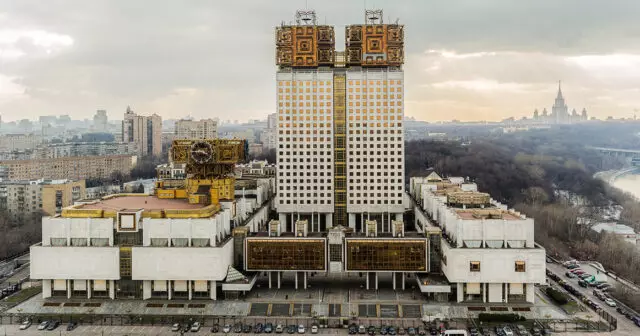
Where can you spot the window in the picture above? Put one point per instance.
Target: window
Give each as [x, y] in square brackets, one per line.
[335, 252]
[520, 266]
[474, 266]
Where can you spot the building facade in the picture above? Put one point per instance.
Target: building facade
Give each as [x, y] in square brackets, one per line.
[101, 121]
[73, 168]
[71, 149]
[560, 113]
[196, 129]
[340, 137]
[146, 132]
[488, 253]
[32, 199]
[19, 142]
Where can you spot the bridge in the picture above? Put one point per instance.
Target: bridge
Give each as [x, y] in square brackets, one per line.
[632, 155]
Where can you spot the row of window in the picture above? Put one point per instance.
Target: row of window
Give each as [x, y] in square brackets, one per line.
[350, 82]
[386, 125]
[322, 201]
[519, 266]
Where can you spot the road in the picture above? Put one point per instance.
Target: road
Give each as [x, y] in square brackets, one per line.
[11, 330]
[625, 326]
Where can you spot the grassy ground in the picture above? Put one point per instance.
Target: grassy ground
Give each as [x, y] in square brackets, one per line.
[571, 307]
[23, 295]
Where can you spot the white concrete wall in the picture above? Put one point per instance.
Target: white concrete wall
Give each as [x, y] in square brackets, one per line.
[59, 227]
[53, 262]
[205, 228]
[181, 263]
[496, 265]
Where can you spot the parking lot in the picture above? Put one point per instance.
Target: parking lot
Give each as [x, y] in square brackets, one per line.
[625, 326]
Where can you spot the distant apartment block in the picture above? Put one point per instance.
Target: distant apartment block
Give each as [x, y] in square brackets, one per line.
[69, 149]
[20, 199]
[146, 132]
[196, 129]
[75, 168]
[17, 142]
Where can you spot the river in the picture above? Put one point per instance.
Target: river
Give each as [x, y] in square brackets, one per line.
[629, 183]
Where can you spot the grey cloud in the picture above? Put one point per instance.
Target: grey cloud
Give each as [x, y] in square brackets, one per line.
[142, 53]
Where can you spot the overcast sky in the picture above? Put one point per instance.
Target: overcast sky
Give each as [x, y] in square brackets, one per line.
[465, 59]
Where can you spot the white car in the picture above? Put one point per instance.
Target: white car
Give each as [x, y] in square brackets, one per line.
[25, 325]
[301, 329]
[175, 327]
[43, 325]
[610, 302]
[195, 327]
[314, 329]
[507, 331]
[226, 329]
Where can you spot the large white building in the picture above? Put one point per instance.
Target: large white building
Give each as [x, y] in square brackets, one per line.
[488, 251]
[340, 135]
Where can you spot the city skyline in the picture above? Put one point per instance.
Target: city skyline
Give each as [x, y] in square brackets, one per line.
[466, 62]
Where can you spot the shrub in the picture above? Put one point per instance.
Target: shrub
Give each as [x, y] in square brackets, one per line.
[557, 296]
[501, 318]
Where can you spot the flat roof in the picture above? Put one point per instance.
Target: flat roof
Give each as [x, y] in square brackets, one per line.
[146, 202]
[469, 215]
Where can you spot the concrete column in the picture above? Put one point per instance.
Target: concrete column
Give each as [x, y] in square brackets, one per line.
[367, 276]
[69, 284]
[460, 292]
[329, 220]
[484, 292]
[279, 276]
[305, 280]
[189, 289]
[169, 291]
[146, 289]
[389, 228]
[46, 288]
[529, 290]
[112, 289]
[269, 276]
[88, 289]
[403, 276]
[506, 293]
[296, 280]
[282, 218]
[376, 273]
[214, 290]
[393, 277]
[352, 220]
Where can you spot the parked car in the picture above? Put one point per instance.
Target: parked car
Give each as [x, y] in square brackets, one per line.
[610, 302]
[314, 329]
[237, 328]
[535, 331]
[383, 330]
[522, 331]
[43, 325]
[215, 328]
[570, 275]
[247, 328]
[473, 331]
[195, 327]
[411, 331]
[371, 330]
[279, 329]
[401, 331]
[258, 328]
[71, 326]
[226, 329]
[603, 286]
[25, 324]
[268, 328]
[176, 327]
[507, 331]
[391, 331]
[585, 276]
[301, 329]
[53, 325]
[291, 329]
